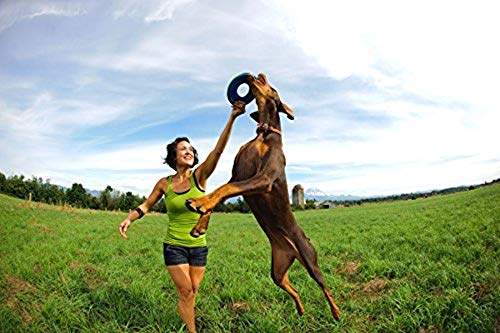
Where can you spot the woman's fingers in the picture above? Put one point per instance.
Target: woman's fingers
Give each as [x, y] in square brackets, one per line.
[239, 108]
[123, 228]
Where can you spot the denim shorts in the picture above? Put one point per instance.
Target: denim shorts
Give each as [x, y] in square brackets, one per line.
[178, 255]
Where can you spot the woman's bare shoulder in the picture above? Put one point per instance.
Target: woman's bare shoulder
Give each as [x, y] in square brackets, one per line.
[161, 183]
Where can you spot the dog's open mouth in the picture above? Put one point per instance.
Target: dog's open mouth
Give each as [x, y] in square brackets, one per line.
[261, 78]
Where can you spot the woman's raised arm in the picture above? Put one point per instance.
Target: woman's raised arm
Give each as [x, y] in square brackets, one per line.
[208, 166]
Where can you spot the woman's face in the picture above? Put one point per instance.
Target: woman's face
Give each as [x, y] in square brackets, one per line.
[185, 154]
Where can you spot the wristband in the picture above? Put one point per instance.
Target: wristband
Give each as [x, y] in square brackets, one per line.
[139, 211]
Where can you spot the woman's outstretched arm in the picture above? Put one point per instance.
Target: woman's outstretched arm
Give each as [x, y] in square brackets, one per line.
[142, 209]
[208, 166]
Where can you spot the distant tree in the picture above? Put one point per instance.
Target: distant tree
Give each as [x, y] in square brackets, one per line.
[310, 204]
[241, 206]
[115, 200]
[17, 187]
[43, 191]
[159, 207]
[105, 198]
[221, 208]
[92, 202]
[35, 188]
[55, 195]
[77, 196]
[139, 200]
[3, 181]
[128, 201]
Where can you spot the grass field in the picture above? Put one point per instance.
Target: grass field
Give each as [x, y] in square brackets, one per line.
[426, 265]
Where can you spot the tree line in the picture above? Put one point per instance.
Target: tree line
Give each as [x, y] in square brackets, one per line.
[411, 196]
[40, 190]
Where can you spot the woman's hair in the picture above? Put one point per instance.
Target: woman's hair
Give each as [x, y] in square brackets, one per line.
[172, 153]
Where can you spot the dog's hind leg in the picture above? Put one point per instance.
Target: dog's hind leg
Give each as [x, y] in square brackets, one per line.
[281, 262]
[309, 259]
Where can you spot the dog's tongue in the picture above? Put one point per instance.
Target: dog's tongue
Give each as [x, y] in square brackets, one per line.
[261, 79]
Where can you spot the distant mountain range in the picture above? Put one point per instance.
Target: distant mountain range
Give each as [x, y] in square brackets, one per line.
[318, 195]
[93, 193]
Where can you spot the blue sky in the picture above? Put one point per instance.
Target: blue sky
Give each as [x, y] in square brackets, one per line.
[389, 96]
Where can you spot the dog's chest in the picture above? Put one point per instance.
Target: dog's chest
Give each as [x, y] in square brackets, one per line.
[250, 159]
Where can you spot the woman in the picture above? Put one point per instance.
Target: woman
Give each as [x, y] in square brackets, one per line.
[185, 256]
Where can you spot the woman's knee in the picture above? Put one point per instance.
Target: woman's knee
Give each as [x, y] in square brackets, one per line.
[186, 294]
[195, 288]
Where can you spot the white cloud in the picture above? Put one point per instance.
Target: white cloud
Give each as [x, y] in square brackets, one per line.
[18, 10]
[49, 116]
[40, 136]
[427, 147]
[166, 10]
[203, 41]
[432, 68]
[437, 49]
[444, 51]
[149, 11]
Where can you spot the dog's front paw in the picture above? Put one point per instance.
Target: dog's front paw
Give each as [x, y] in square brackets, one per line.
[201, 210]
[195, 233]
[190, 204]
[201, 227]
[195, 205]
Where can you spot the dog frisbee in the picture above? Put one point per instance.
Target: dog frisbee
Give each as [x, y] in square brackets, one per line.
[232, 89]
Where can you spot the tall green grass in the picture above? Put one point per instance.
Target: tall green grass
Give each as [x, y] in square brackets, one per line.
[426, 265]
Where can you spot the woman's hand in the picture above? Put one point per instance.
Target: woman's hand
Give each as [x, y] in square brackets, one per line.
[123, 227]
[238, 109]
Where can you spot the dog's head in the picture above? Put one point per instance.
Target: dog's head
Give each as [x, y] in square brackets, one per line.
[266, 95]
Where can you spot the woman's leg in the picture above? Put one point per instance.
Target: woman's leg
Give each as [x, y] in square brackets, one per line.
[187, 279]
[196, 273]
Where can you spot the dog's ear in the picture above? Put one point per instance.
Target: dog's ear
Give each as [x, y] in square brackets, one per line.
[286, 109]
[255, 116]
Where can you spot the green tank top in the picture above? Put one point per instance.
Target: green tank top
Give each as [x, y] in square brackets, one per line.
[180, 219]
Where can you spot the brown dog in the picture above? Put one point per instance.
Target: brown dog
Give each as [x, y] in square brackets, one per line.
[259, 175]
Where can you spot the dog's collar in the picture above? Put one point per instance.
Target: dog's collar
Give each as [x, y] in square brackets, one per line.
[263, 127]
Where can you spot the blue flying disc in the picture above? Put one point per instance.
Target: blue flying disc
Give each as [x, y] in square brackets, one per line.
[232, 89]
